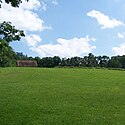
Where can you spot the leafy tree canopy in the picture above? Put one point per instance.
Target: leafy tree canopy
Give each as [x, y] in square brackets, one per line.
[8, 33]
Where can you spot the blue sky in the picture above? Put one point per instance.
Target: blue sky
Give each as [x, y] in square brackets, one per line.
[68, 28]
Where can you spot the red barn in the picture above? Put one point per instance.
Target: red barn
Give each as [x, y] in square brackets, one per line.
[26, 63]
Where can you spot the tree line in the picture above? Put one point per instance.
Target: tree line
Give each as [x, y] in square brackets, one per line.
[10, 57]
[86, 61]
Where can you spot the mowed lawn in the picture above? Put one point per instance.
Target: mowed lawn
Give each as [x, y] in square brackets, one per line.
[62, 96]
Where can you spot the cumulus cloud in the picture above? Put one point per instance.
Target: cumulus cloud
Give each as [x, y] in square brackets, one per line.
[32, 4]
[23, 17]
[54, 2]
[104, 20]
[120, 50]
[121, 35]
[66, 48]
[33, 39]
[26, 18]
[44, 5]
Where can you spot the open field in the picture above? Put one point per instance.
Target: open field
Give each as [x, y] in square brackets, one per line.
[36, 96]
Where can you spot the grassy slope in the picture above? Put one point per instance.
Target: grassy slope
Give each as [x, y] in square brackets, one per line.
[33, 96]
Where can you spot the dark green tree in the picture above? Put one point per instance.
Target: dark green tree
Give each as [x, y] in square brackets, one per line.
[65, 62]
[56, 61]
[114, 63]
[76, 61]
[20, 56]
[38, 61]
[91, 60]
[47, 62]
[8, 33]
[7, 57]
[102, 60]
[121, 60]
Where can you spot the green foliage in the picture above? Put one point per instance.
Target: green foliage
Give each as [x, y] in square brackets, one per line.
[7, 57]
[56, 60]
[6, 54]
[20, 56]
[114, 63]
[3, 45]
[91, 60]
[47, 62]
[8, 33]
[57, 96]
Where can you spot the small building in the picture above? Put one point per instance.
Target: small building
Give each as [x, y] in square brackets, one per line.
[26, 63]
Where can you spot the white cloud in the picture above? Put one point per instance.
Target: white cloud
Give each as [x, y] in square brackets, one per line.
[23, 17]
[33, 39]
[104, 20]
[30, 5]
[55, 2]
[66, 48]
[44, 5]
[121, 35]
[26, 18]
[120, 50]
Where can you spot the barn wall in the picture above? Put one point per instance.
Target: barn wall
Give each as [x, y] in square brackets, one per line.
[26, 63]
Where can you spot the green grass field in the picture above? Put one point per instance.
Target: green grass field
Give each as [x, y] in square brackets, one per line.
[62, 96]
